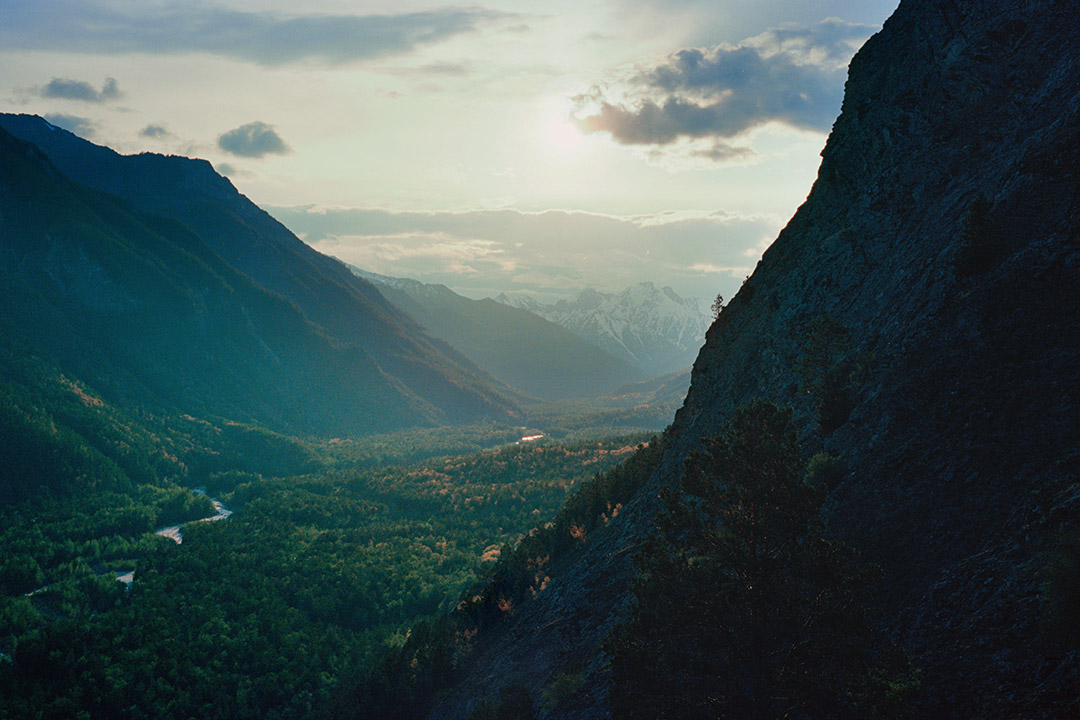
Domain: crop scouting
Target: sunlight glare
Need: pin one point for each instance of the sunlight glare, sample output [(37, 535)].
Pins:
[(562, 136)]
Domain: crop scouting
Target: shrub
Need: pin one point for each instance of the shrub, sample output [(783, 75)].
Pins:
[(1061, 594), (562, 691)]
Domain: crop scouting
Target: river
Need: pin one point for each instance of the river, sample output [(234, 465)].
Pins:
[(220, 513)]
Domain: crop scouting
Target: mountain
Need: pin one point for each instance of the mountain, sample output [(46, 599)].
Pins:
[(141, 307), (516, 346), (178, 196), (921, 315), (651, 328)]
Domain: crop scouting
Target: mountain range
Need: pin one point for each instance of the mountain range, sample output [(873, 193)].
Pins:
[(919, 317), (516, 346), (653, 329), (152, 279)]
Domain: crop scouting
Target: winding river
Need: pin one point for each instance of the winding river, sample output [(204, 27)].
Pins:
[(220, 513), (173, 531)]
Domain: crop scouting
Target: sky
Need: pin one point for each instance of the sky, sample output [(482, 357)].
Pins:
[(532, 148)]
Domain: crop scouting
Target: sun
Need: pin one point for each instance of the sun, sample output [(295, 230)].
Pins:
[(561, 135)]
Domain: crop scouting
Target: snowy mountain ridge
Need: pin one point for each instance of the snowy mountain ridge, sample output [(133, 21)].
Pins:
[(653, 328)]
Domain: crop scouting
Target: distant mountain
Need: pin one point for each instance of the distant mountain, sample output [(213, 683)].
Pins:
[(651, 328), (516, 346), (182, 291)]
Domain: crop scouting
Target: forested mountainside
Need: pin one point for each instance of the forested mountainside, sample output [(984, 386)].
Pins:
[(182, 291), (516, 346), (653, 329), (920, 314)]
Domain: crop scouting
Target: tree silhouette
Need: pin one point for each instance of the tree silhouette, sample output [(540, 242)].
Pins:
[(743, 608)]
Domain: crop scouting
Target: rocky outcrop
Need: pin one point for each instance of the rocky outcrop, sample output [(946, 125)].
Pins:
[(942, 241)]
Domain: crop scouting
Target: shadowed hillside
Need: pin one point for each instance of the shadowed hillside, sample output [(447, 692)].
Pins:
[(139, 307), (341, 306)]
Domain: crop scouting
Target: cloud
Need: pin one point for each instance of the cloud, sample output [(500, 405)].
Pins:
[(83, 127), (442, 69), (157, 132), (550, 254), (64, 89), (254, 140), (722, 152), (260, 37), (793, 76), (829, 42)]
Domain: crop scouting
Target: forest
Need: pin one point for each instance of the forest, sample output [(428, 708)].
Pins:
[(334, 550)]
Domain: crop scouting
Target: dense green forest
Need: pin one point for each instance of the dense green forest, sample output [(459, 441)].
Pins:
[(336, 548)]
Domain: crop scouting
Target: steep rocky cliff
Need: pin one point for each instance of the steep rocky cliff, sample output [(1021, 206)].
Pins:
[(940, 247)]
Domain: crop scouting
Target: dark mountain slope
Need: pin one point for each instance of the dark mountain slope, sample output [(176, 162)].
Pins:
[(516, 346), (956, 327), (247, 238), (140, 308)]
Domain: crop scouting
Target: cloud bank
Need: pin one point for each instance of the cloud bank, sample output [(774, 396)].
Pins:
[(548, 254), (792, 76), (260, 37), (254, 140), (64, 89)]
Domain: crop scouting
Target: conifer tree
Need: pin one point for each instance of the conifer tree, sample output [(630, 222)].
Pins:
[(743, 608)]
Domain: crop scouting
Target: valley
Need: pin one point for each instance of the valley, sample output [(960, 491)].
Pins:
[(231, 487), (327, 569), (242, 479)]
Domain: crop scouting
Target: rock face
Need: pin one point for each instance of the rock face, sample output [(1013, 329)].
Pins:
[(943, 237), (653, 329)]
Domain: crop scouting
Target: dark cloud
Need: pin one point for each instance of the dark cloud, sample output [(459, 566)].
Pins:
[(83, 127), (264, 38), (64, 89), (722, 152), (254, 140), (155, 131), (793, 76)]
